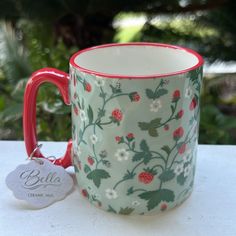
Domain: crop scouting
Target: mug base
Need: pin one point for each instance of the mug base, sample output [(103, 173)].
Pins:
[(147, 213)]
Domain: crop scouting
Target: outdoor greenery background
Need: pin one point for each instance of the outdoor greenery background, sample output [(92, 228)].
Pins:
[(36, 34)]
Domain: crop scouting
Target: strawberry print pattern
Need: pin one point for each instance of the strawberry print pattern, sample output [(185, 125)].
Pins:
[(135, 141)]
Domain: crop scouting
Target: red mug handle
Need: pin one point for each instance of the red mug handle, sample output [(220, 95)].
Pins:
[(61, 80)]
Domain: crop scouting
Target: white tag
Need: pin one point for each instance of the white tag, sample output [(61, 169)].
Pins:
[(39, 182)]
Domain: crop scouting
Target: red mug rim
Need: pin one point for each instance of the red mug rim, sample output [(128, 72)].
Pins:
[(200, 61)]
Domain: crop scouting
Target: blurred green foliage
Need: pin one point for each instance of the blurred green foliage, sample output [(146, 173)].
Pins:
[(41, 52), (46, 33)]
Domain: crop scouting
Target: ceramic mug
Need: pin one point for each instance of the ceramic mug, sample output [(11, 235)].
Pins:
[(135, 117)]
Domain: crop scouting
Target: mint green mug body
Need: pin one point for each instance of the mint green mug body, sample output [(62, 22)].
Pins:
[(135, 117)]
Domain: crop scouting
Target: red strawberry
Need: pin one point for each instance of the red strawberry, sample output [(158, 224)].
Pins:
[(176, 96), (178, 133), (117, 114), (130, 135), (90, 160), (193, 104), (136, 97), (182, 148), (163, 206), (84, 192), (180, 114), (118, 139), (76, 110), (88, 87), (166, 127), (145, 177)]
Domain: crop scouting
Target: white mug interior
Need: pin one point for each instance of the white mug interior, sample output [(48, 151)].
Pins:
[(141, 59)]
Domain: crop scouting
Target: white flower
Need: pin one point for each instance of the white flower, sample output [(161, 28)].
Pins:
[(83, 116), (155, 105), (122, 154), (111, 193), (187, 170), (99, 82), (179, 169), (93, 139), (188, 92), (135, 203)]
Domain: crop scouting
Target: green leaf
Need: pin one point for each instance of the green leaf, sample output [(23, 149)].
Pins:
[(103, 154), (143, 146), (167, 149), (181, 179), (143, 125), (13, 112), (90, 114), (153, 132), (167, 175), (18, 92), (99, 125), (150, 93), (110, 209), (151, 127), (101, 112), (97, 175), (154, 198), (102, 95), (129, 175), (156, 122), (160, 92), (86, 168), (126, 211), (147, 157), (130, 191), (106, 163), (138, 156), (115, 90)]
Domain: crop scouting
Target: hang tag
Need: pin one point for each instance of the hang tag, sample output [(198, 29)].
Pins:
[(39, 182)]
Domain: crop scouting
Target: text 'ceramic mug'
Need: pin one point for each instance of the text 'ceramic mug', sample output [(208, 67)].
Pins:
[(135, 116)]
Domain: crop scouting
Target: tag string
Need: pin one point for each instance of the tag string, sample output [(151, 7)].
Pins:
[(40, 160)]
